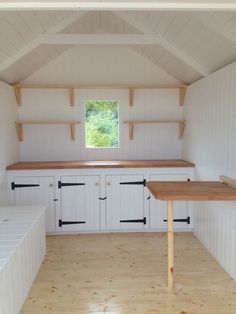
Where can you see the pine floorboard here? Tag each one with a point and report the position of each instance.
(126, 273)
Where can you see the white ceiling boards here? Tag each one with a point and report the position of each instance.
(186, 40)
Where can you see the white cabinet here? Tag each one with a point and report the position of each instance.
(36, 191)
(125, 202)
(158, 209)
(92, 200)
(79, 199)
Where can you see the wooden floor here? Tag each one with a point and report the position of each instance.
(127, 273)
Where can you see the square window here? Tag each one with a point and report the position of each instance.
(102, 124)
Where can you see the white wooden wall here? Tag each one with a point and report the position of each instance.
(9, 146)
(210, 142)
(52, 142)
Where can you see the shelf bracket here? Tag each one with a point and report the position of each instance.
(17, 91)
(72, 96)
(182, 93)
(131, 97)
(72, 131)
(181, 129)
(19, 131)
(131, 131)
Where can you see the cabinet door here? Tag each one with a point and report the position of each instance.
(158, 209)
(36, 191)
(80, 203)
(125, 202)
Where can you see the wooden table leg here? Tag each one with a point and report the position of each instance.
(170, 235)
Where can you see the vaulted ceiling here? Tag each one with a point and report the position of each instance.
(185, 45)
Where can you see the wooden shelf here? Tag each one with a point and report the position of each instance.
(71, 90)
(131, 124)
(19, 126)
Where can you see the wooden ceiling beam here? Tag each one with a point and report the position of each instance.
(120, 5)
(100, 39)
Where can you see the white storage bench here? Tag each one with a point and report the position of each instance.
(22, 250)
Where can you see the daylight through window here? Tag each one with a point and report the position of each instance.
(102, 124)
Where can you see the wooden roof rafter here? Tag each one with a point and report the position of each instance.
(219, 28)
(37, 41)
(179, 54)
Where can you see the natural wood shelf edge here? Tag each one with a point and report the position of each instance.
(131, 124)
(71, 90)
(19, 127)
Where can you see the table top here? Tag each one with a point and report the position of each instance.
(165, 163)
(191, 190)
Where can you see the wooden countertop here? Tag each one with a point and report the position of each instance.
(191, 191)
(179, 163)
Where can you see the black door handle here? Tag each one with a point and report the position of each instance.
(60, 184)
(136, 220)
(181, 220)
(135, 183)
(60, 222)
(16, 186)
(102, 198)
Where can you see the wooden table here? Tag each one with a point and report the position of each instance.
(186, 191)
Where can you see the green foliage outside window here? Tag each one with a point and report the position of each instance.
(102, 124)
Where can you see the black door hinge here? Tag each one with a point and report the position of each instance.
(60, 184)
(135, 183)
(187, 220)
(136, 220)
(60, 222)
(16, 186)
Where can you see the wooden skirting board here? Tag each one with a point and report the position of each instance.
(71, 90)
